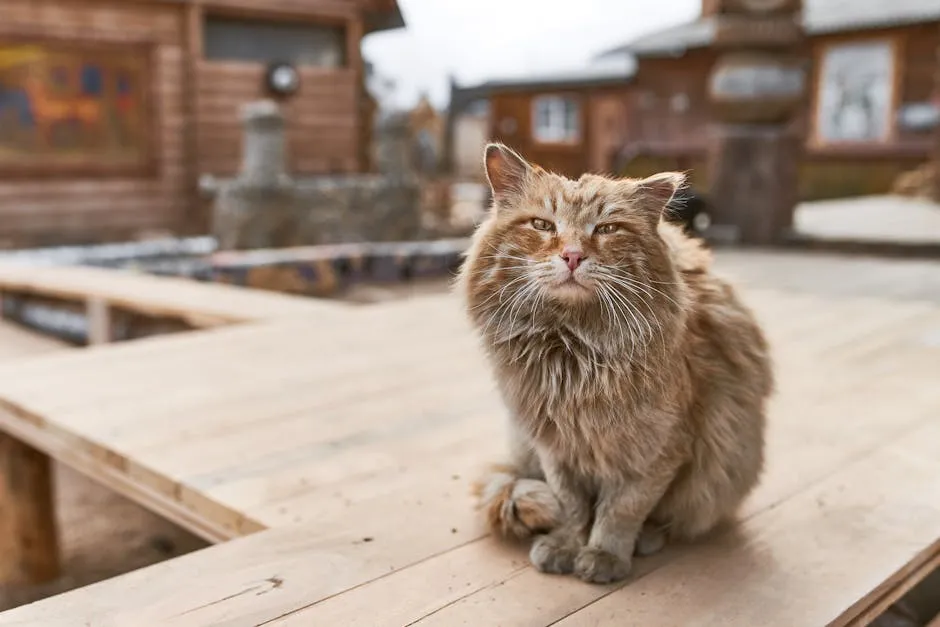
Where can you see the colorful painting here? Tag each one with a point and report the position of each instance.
(73, 108)
(856, 92)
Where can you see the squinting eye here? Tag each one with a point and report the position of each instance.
(607, 229)
(542, 225)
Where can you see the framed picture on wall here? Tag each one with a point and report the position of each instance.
(75, 109)
(856, 92)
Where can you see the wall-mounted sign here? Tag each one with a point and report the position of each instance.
(74, 108)
(856, 91)
(757, 79)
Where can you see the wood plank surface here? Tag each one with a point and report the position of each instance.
(354, 443)
(201, 304)
(17, 343)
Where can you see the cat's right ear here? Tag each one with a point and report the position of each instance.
(506, 171)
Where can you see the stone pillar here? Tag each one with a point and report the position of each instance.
(756, 89)
(255, 210)
(264, 159)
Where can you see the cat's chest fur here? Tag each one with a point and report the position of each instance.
(596, 410)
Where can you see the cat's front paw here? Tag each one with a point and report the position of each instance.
(554, 553)
(598, 566)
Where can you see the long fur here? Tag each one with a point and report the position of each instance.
(637, 395)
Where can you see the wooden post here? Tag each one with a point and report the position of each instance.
(196, 219)
(756, 87)
(29, 547)
(936, 136)
(98, 315)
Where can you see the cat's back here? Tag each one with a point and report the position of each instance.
(725, 340)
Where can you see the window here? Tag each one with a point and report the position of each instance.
(557, 119)
(264, 42)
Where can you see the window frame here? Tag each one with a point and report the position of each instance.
(340, 28)
(558, 119)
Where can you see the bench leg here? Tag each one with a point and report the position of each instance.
(29, 545)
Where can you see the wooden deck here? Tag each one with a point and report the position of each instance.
(17, 344)
(344, 448)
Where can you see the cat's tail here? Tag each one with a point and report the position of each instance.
(517, 508)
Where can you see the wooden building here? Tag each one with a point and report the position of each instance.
(569, 123)
(110, 110)
(872, 95)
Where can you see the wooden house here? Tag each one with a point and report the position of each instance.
(570, 123)
(111, 110)
(869, 114)
(871, 105)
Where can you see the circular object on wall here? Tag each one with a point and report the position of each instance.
(282, 79)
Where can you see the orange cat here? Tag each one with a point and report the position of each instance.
(636, 379)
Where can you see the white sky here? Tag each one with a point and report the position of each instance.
(477, 40)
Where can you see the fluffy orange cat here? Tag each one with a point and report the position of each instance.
(635, 379)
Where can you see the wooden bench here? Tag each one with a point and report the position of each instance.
(344, 449)
(99, 292)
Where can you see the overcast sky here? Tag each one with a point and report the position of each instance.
(478, 40)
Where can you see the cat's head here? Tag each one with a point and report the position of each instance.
(556, 243)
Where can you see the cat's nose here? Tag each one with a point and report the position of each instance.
(572, 257)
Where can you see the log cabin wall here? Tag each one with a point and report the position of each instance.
(181, 107)
(46, 207)
(325, 119)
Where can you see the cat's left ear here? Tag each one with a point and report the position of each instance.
(506, 171)
(657, 191)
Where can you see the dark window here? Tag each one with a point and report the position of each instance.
(263, 42)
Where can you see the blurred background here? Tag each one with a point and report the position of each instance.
(126, 122)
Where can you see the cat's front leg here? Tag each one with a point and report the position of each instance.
(556, 551)
(622, 507)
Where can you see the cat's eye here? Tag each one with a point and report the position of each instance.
(542, 225)
(607, 229)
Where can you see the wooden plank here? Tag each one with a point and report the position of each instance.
(866, 610)
(202, 304)
(62, 448)
(811, 559)
(17, 343)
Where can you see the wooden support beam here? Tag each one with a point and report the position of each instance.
(29, 547)
(98, 314)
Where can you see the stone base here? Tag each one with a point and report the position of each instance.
(318, 211)
(754, 174)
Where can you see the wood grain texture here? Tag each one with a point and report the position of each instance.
(322, 120)
(29, 544)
